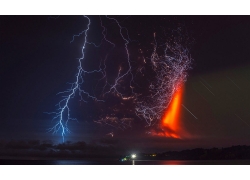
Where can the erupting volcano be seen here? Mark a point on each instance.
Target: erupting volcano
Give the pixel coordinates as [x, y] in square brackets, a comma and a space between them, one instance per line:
[170, 123]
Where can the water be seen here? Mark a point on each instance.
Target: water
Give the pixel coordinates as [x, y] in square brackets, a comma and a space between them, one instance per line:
[135, 162]
[194, 162]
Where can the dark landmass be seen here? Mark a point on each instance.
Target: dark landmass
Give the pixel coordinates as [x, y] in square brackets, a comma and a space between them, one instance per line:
[46, 150]
[108, 151]
[240, 152]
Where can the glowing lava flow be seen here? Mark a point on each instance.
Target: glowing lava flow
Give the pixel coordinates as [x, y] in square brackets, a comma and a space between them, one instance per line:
[170, 123]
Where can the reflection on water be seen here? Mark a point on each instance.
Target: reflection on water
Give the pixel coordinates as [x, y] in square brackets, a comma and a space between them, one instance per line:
[162, 162]
[86, 162]
[72, 162]
[134, 162]
[193, 162]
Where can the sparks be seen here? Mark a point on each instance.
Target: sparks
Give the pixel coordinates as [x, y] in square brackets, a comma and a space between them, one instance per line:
[171, 70]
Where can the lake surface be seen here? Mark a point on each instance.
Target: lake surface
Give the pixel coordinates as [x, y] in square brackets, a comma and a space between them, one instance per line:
[136, 162]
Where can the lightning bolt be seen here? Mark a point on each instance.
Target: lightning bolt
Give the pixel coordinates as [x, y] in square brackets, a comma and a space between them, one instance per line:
[116, 87]
[120, 75]
[62, 115]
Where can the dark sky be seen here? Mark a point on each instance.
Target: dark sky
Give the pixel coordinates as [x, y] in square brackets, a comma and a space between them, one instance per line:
[37, 61]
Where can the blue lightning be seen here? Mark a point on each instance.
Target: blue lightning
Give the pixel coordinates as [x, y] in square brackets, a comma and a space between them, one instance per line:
[62, 116]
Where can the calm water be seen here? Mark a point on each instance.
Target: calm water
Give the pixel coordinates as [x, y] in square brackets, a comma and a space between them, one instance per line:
[137, 162]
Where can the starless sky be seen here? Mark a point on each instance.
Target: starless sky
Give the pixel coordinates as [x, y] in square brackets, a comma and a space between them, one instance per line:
[37, 60]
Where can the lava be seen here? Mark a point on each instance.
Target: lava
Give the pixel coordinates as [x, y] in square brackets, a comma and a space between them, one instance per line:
[170, 123]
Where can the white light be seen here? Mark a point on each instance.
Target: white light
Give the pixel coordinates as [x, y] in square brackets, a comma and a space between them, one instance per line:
[133, 156]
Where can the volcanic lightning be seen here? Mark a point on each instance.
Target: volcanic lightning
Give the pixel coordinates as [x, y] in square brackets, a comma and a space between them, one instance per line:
[162, 107]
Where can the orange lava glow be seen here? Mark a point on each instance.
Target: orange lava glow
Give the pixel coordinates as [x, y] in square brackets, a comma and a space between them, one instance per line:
[170, 123]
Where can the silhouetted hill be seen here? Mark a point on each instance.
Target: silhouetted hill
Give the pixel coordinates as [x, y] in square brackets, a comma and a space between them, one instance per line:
[229, 153]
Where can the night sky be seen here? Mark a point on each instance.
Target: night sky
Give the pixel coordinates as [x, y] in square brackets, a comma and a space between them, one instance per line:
[38, 60]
